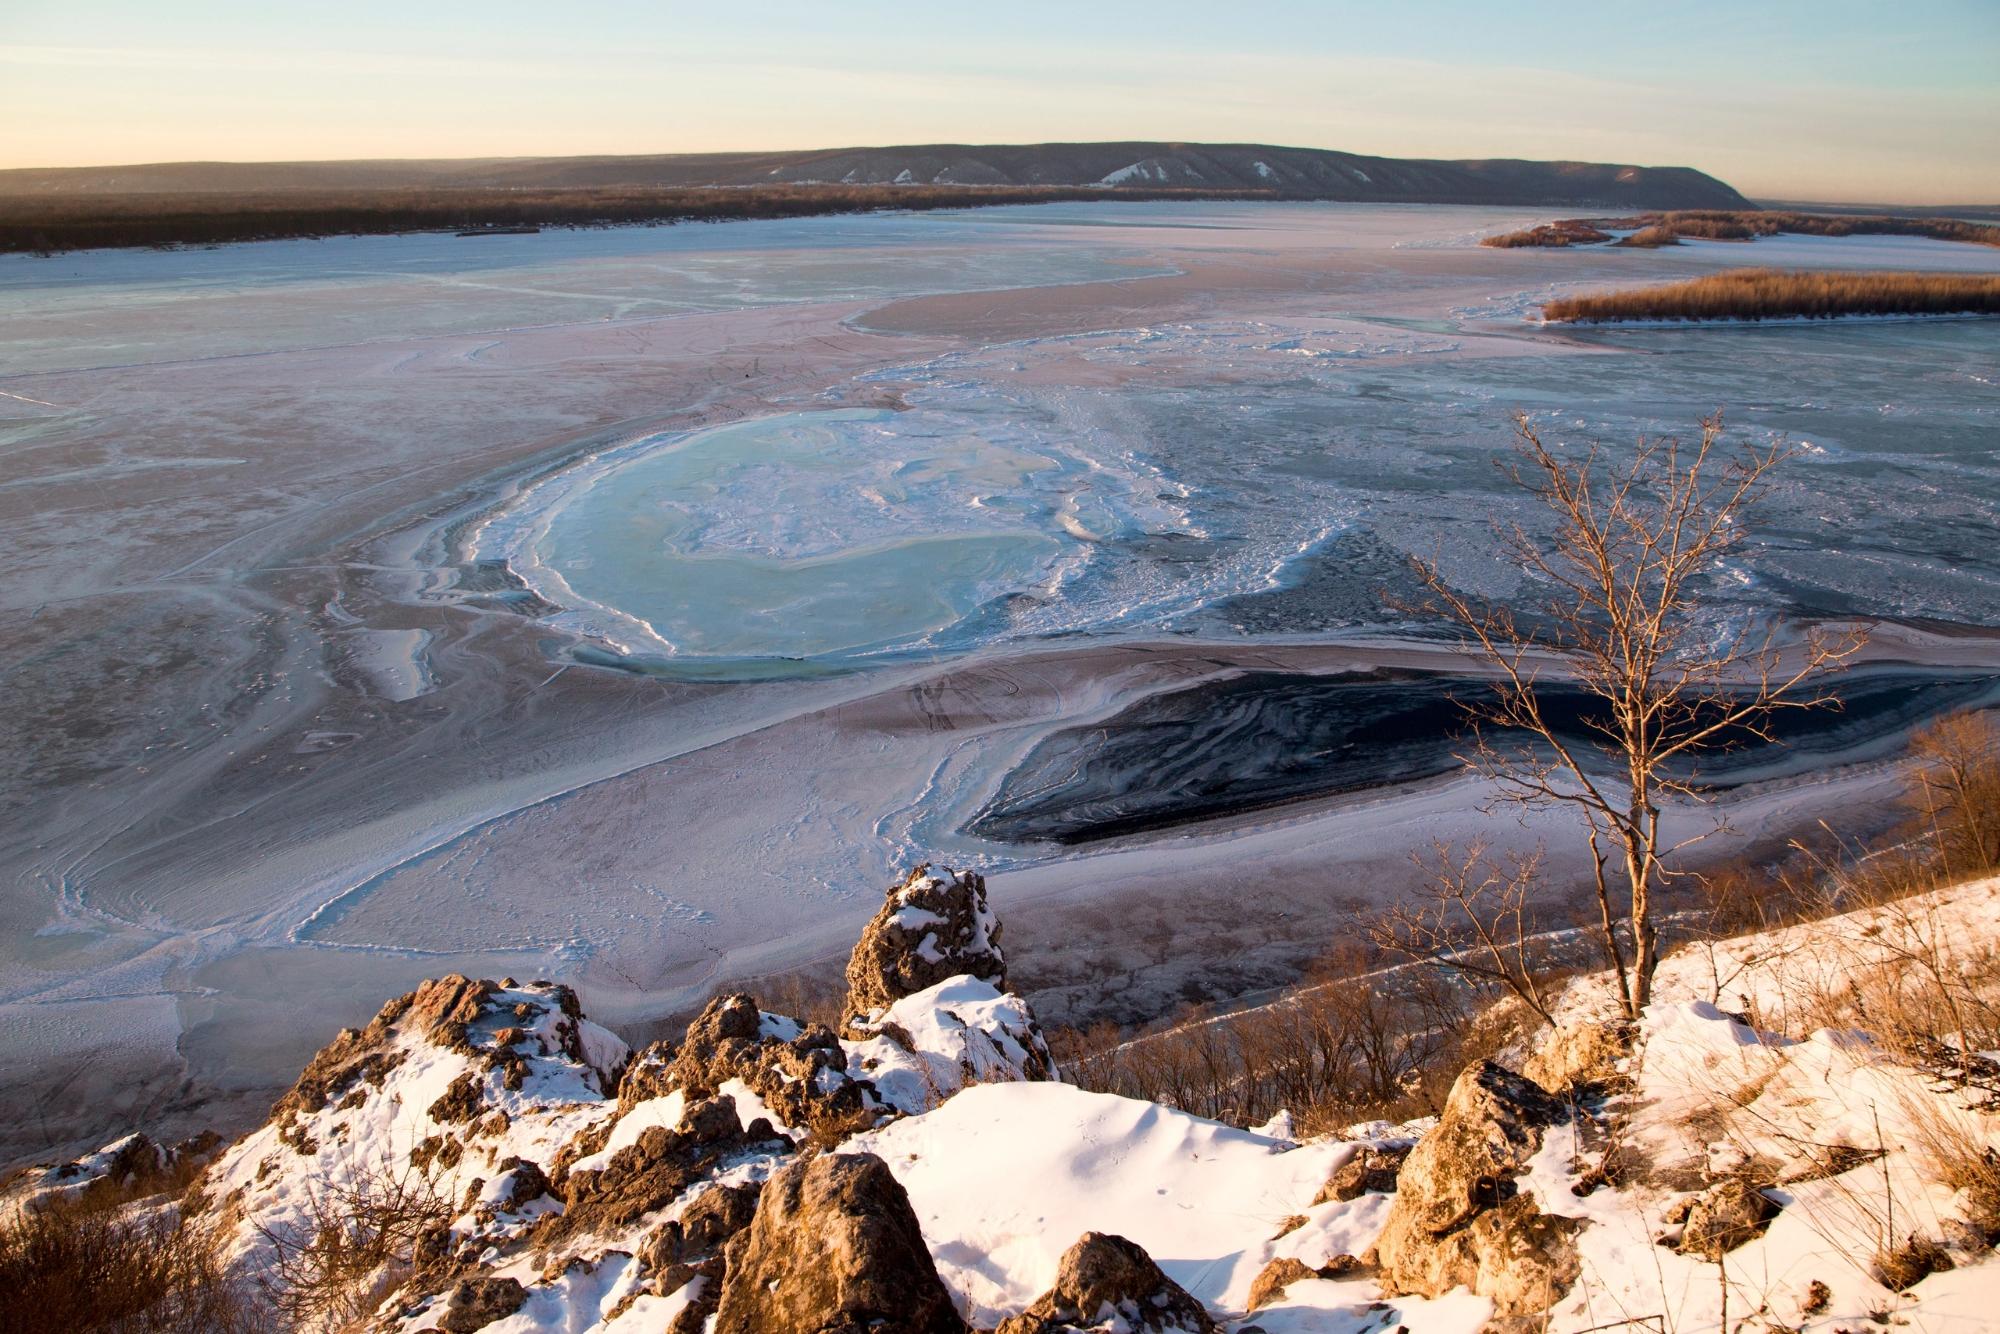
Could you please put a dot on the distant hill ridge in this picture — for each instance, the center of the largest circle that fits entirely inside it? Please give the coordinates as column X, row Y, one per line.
column 1299, row 173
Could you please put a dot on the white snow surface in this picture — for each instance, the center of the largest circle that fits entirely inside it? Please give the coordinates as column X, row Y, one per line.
column 1004, row 1178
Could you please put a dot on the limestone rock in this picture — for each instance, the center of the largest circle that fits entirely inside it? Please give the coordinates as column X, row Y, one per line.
column 1579, row 1053
column 931, row 926
column 834, row 1248
column 1725, row 1216
column 704, row 1227
column 1107, row 1283
column 1457, row 1220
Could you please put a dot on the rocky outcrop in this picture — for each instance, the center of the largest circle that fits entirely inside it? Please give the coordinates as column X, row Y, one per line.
column 649, row 1174
column 124, row 1169
column 798, row 1070
column 834, row 1248
column 1458, row 1220
column 927, row 1046
column 931, row 926
column 1107, row 1283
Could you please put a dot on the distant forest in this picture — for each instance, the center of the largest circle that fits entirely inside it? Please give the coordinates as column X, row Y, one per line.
column 50, row 224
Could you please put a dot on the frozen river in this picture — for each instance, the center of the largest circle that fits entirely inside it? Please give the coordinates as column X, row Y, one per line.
column 1032, row 538
column 1275, row 494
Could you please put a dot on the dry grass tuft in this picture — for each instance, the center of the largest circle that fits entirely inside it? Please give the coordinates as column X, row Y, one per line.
column 1768, row 294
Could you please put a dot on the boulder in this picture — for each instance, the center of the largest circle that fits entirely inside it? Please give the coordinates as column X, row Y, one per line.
column 1274, row 1278
column 704, row 1227
column 1107, row 1283
column 1457, row 1220
column 834, row 1248
column 476, row 1303
column 1726, row 1215
column 1372, row 1171
column 932, row 926
column 1579, row 1053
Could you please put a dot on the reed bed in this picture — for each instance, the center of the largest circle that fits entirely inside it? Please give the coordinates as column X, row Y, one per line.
column 1774, row 294
column 1568, row 232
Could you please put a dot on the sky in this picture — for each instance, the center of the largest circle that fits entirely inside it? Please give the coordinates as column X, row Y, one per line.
column 1830, row 100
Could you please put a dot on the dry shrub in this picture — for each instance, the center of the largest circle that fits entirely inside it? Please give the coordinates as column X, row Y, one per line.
column 1954, row 792
column 1354, row 1047
column 1764, row 294
column 358, row 1241
column 74, row 1267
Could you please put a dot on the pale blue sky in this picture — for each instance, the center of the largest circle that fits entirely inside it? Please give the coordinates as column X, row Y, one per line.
column 1829, row 100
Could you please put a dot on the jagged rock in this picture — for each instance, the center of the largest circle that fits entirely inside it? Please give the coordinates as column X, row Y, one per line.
column 1107, row 1283
column 127, row 1168
column 931, row 926
column 477, row 1302
column 1725, row 1216
column 718, row 1214
column 1579, row 1053
column 800, row 1071
column 648, row 1174
column 1457, row 1220
column 834, row 1248
column 1371, row 1171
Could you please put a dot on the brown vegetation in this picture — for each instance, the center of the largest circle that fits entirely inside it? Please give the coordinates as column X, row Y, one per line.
column 48, row 224
column 1739, row 225
column 358, row 1241
column 1362, row 1043
column 1768, row 294
column 72, row 1266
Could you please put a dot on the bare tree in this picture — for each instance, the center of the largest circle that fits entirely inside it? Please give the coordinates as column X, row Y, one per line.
column 1475, row 921
column 1616, row 615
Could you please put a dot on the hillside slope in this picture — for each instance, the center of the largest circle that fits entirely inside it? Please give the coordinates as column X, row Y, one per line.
column 481, row 1157
column 1304, row 173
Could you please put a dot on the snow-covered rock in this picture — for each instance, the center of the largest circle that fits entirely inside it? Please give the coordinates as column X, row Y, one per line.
column 925, row 1047
column 1109, row 1285
column 932, row 925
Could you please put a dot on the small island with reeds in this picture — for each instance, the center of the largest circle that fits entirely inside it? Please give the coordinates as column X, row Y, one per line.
column 1648, row 231
column 1775, row 294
